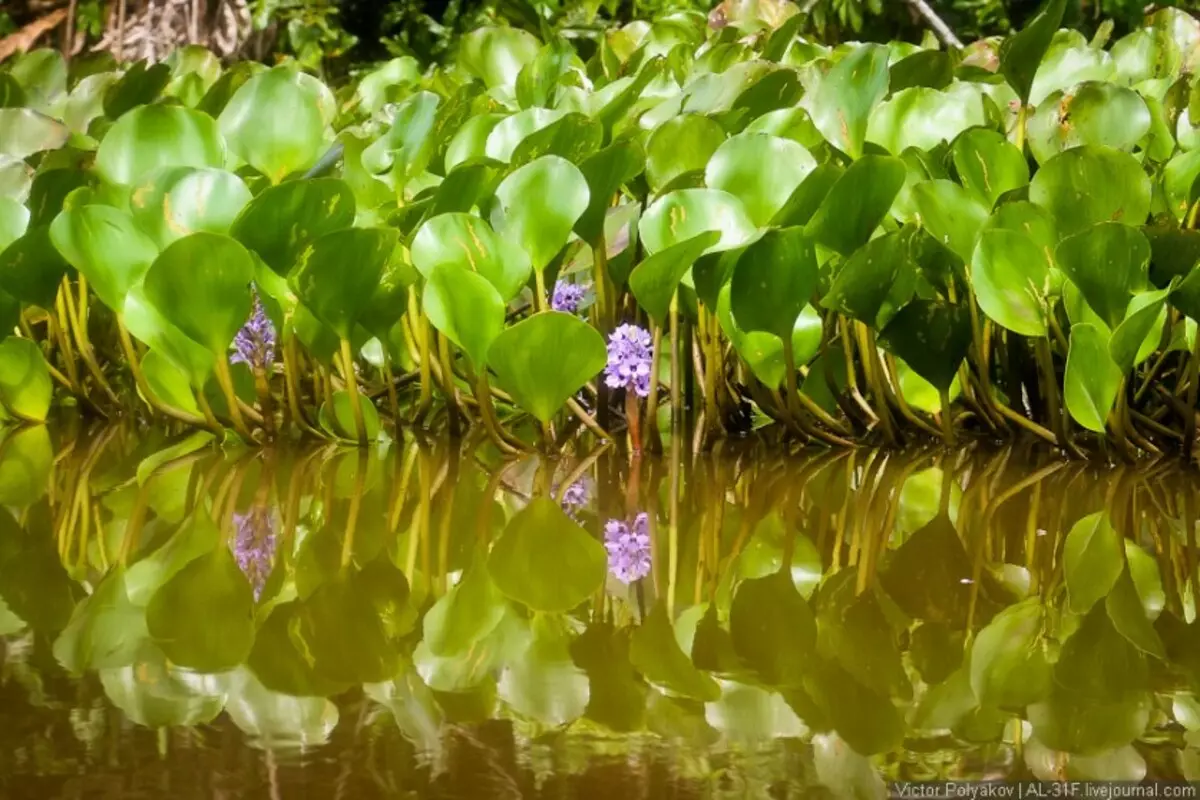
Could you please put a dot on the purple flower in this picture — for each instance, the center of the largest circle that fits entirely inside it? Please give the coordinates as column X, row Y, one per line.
column 254, row 545
column 576, row 496
column 628, row 548
column 567, row 296
column 254, row 344
column 629, row 359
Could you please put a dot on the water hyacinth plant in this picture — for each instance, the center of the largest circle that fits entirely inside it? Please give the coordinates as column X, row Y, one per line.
column 860, row 244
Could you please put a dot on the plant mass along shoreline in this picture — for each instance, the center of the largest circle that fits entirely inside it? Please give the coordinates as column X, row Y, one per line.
column 864, row 244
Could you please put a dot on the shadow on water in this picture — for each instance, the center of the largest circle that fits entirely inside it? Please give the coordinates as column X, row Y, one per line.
column 428, row 621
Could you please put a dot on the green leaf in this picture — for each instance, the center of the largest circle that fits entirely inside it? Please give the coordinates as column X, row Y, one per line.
column 573, row 137
column 773, row 629
column 988, row 164
column 1088, row 185
column 1093, row 558
column 202, row 284
column 203, row 617
column 1009, row 669
column 924, row 118
column 1093, row 113
column 148, row 324
column 465, row 308
column 339, row 420
column 606, row 172
column 176, row 201
column 850, row 624
column 543, row 683
column 107, row 247
column 545, row 560
column 543, row 385
column 539, row 204
column 932, row 338
column 952, row 215
column 498, row 54
column 25, row 388
column 1022, row 53
column 283, row 220
column 1108, row 262
column 686, row 213
column 761, row 170
column 406, row 149
column 1010, row 272
column 655, row 280
column 857, row 203
column 869, row 276
column 468, row 242
column 1143, row 318
column 273, row 124
column 842, row 101
column 654, row 651
column 538, row 79
column 14, row 219
column 24, row 132
column 31, row 270
column 338, row 273
column 105, row 630
column 151, row 137
column 681, row 145
column 773, row 281
column 1092, row 379
column 140, row 85
column 1129, row 617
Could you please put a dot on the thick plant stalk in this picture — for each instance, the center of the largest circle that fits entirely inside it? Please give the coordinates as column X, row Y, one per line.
column 539, row 295
column 1053, row 408
column 360, row 427
column 487, row 413
column 946, row 417
column 420, row 329
column 448, row 387
column 676, row 367
column 58, row 323
column 867, row 351
column 225, row 381
column 151, row 400
column 652, row 398
column 78, row 320
column 210, row 419
column 1189, row 436
column 390, row 381
column 633, row 418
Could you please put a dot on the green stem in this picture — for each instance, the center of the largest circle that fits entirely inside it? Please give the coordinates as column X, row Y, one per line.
column 78, row 319
column 676, row 367
column 448, row 388
column 360, row 427
column 483, row 394
column 947, row 418
column 420, row 330
column 870, row 360
column 225, row 380
column 390, row 381
column 539, row 296
column 1189, row 438
column 143, row 387
column 1022, row 117
column 1053, row 407
column 652, row 398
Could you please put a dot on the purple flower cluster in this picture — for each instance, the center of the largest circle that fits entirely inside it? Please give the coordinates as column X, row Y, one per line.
column 628, row 548
column 576, row 496
column 630, row 354
column 567, row 296
column 254, row 344
column 254, row 545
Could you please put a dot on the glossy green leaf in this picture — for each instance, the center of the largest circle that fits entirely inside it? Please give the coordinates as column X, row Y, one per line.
column 1010, row 272
column 406, row 149
column 273, row 124
column 465, row 614
column 146, row 323
column 14, row 219
column 140, row 85
column 760, row 170
column 857, row 203
column 177, row 201
column 24, row 132
column 545, row 560
column 1108, row 262
column 773, row 281
column 988, row 164
column 1093, row 558
column 539, row 204
column 952, row 215
column 869, row 277
column 932, row 337
column 283, row 220
column 543, row 385
column 687, row 213
column 465, row 308
column 1088, row 185
column 924, row 118
column 1022, row 53
column 1144, row 319
column 498, row 54
column 338, row 273
column 105, row 630
column 202, row 617
column 1092, row 379
column 681, row 145
column 151, row 137
column 25, row 388
column 655, row 280
column 606, row 172
column 468, row 242
column 107, row 247
column 574, row 137
column 202, row 284
column 1093, row 113
column 842, row 101
column 31, row 269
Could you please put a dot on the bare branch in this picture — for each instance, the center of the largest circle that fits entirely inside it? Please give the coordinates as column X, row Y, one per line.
column 937, row 23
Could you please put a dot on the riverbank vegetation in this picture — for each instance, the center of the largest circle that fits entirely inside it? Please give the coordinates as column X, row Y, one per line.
column 709, row 220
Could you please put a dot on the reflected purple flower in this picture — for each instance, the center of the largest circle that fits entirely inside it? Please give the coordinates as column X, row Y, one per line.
column 254, row 545
column 254, row 344
column 630, row 353
column 628, row 548
column 567, row 296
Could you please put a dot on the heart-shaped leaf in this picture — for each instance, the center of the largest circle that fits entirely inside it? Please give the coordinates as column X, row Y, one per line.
column 176, row 201
column 338, row 273
column 539, row 205
column 1009, row 272
column 466, row 241
column 655, row 280
column 107, row 247
column 842, row 102
column 25, row 388
column 151, row 137
column 857, row 203
column 760, row 170
column 773, row 281
column 283, row 220
column 273, row 124
column 1088, row 185
column 465, row 308
column 1092, row 378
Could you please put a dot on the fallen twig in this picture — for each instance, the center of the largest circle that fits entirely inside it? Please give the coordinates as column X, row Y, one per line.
column 25, row 38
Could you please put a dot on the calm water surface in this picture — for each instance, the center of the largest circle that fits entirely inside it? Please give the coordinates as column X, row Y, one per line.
column 424, row 620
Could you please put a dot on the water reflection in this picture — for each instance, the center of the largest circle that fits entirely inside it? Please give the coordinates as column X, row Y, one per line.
column 424, row 620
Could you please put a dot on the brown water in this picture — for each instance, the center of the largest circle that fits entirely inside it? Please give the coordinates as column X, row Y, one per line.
column 177, row 621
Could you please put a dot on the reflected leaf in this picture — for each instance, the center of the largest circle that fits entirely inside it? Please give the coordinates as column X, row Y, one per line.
column 106, row 630
column 654, row 651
